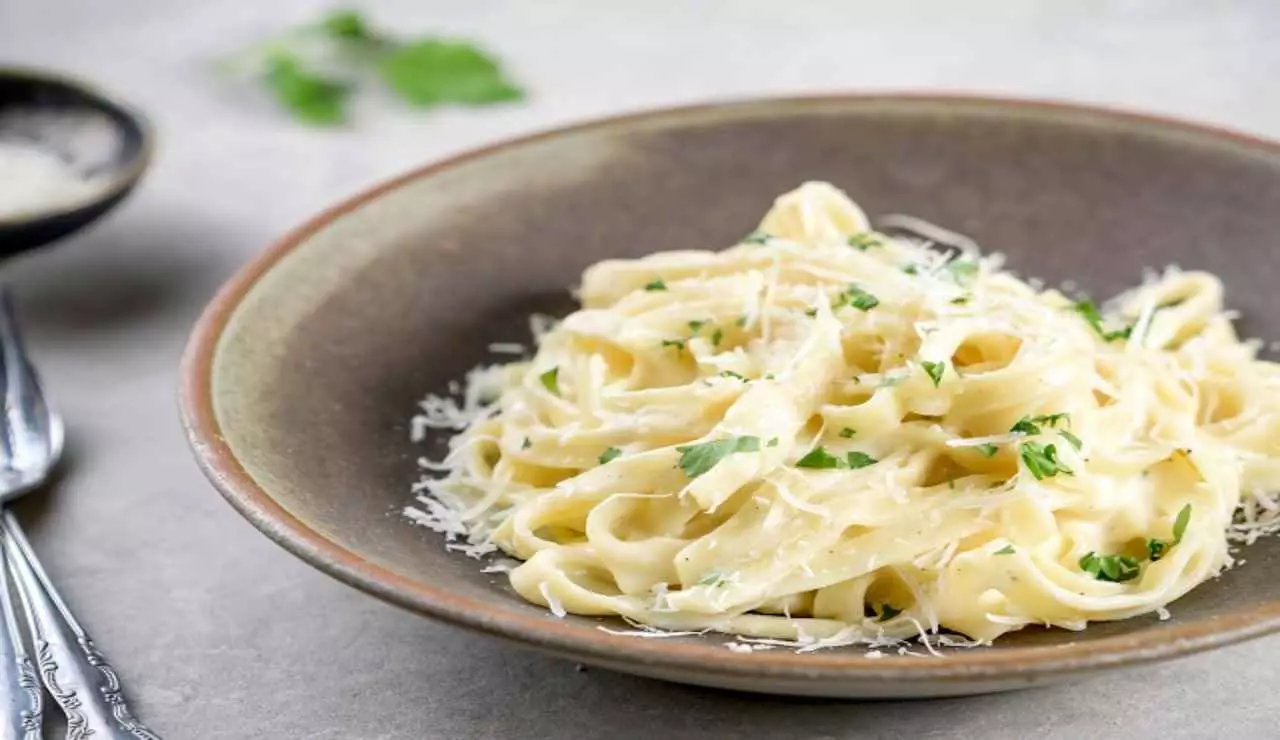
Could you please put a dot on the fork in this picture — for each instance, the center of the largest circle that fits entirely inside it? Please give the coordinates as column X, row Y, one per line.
column 75, row 674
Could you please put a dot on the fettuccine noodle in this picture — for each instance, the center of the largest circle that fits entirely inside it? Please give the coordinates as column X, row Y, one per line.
column 827, row 433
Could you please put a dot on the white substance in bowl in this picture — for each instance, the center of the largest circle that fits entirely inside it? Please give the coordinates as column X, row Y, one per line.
column 33, row 180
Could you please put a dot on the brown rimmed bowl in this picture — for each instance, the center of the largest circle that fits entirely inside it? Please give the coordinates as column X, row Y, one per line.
column 300, row 379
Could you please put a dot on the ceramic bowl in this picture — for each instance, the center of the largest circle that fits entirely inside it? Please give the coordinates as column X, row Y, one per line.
column 301, row 378
column 100, row 137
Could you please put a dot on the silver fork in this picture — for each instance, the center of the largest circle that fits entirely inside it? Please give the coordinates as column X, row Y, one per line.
column 76, row 675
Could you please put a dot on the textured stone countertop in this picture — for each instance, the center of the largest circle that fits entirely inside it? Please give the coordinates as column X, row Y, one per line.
column 221, row 634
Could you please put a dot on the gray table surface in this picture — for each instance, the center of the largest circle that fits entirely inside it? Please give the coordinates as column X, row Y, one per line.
column 219, row 633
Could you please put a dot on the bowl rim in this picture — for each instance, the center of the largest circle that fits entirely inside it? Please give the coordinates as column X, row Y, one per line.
column 232, row 480
column 123, row 179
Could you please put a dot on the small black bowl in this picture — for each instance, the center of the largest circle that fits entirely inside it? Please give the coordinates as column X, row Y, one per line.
column 55, row 111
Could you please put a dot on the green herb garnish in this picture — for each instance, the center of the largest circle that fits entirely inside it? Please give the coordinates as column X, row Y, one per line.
column 818, row 458
column 1042, row 460
column 962, row 271
column 732, row 374
column 911, row 269
column 987, row 450
column 811, row 312
column 935, row 371
column 311, row 97
column 1006, row 550
column 695, row 326
column 847, row 433
column 1180, row 523
column 551, row 380
column 526, row 444
column 887, row 612
column 698, row 459
column 757, row 237
column 1112, row 568
column 717, row 337
column 1072, row 439
column 859, row 298
column 864, row 240
column 773, row 442
column 1030, row 425
column 658, row 284
column 857, row 459
column 433, row 72
column 613, row 453
column 1089, row 312
column 677, row 343
column 713, row 579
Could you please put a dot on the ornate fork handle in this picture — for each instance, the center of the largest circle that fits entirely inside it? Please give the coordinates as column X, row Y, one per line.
column 19, row 688
column 77, row 676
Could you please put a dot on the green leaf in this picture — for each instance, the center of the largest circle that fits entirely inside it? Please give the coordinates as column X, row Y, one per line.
column 695, row 326
column 911, row 269
column 1025, row 426
column 1072, row 439
column 717, row 337
column 847, row 433
column 698, row 459
column 887, row 612
column 1157, row 549
column 859, row 298
column 1089, row 312
column 857, row 459
column 551, row 380
column 527, row 444
column 1112, row 568
column 609, row 455
column 773, row 442
column 961, row 300
column 1006, row 550
column 346, row 24
column 655, row 285
column 864, row 240
column 811, row 312
column 1180, row 523
column 433, row 72
column 1042, row 460
column 818, row 458
column 757, row 237
column 962, row 271
column 309, row 97
column 714, row 579
column 988, row 450
column 732, row 374
column 677, row 343
column 935, row 371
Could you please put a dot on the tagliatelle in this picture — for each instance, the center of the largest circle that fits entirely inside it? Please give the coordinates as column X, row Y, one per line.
column 828, row 433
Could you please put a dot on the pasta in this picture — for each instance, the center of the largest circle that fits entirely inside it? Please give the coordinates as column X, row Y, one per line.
column 828, row 434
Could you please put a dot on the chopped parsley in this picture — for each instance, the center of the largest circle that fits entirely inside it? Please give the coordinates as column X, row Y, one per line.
column 1111, row 568
column 864, row 240
column 911, row 269
column 677, row 343
column 732, row 374
column 819, row 458
column 1006, row 550
column 1030, row 425
column 1157, row 549
column 859, row 298
column 890, row 381
column 698, row 459
column 772, row 442
column 962, row 271
column 526, row 444
column 609, row 455
column 859, row 459
column 1042, row 460
column 1089, row 312
column 551, row 380
column 961, row 300
column 741, row 322
column 696, row 326
column 1072, row 439
column 987, row 450
column 811, row 312
column 770, row 376
column 757, row 237
column 887, row 612
column 658, row 284
column 717, row 337
column 935, row 371
column 847, row 433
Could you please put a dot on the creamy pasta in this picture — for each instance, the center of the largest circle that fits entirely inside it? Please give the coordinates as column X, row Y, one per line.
column 825, row 433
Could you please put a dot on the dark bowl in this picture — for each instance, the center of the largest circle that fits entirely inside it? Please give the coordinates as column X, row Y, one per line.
column 301, row 377
column 58, row 100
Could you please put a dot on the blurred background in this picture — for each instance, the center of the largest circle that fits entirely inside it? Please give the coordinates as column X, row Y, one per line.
column 108, row 311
